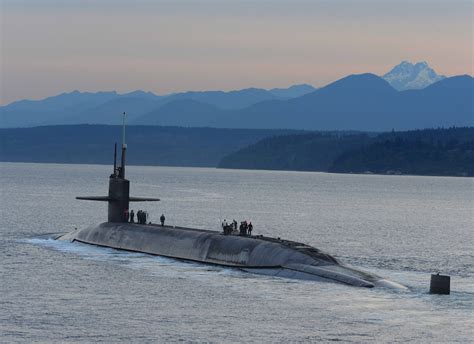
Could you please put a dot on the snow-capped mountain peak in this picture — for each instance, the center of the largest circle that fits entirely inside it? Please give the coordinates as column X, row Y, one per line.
column 406, row 75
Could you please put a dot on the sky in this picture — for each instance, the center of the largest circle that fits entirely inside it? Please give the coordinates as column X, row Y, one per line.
column 54, row 46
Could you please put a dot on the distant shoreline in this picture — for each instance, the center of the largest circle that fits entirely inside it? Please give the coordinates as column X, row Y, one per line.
column 427, row 152
column 235, row 169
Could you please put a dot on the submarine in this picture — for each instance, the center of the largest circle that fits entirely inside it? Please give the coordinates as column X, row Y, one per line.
column 256, row 254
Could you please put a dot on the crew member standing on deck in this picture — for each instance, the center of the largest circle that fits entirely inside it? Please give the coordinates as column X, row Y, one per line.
column 162, row 219
column 250, row 228
column 132, row 216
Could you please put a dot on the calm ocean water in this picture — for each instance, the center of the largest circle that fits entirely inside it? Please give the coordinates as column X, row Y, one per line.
column 401, row 227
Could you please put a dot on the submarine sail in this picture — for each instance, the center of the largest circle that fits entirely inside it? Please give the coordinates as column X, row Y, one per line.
column 119, row 188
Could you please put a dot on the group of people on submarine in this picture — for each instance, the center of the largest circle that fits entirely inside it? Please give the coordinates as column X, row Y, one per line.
column 142, row 217
column 245, row 228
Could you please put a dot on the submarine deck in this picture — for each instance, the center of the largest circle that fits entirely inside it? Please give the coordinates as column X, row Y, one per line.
column 301, row 247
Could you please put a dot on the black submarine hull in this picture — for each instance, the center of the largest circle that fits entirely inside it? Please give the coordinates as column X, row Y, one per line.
column 256, row 254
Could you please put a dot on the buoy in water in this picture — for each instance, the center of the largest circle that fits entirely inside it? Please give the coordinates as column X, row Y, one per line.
column 440, row 284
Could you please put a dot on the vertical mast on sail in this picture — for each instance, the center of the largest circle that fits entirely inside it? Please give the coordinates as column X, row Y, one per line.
column 115, row 160
column 123, row 130
column 119, row 188
column 124, row 148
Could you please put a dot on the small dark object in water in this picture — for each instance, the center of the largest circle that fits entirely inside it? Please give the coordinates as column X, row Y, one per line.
column 440, row 284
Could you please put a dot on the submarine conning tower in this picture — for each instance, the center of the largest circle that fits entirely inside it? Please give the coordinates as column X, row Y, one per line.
column 119, row 188
column 119, row 191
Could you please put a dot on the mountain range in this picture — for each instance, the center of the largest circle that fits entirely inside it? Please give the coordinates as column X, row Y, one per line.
column 356, row 102
column 364, row 102
column 105, row 107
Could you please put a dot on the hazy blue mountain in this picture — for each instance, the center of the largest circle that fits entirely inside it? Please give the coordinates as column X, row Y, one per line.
column 139, row 94
column 292, row 91
column 406, row 76
column 181, row 112
column 227, row 100
column 111, row 112
column 446, row 103
column 52, row 110
column 357, row 102
column 354, row 102
column 364, row 102
column 63, row 100
column 105, row 107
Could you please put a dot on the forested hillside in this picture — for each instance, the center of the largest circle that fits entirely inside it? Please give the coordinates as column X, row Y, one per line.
column 307, row 152
column 447, row 152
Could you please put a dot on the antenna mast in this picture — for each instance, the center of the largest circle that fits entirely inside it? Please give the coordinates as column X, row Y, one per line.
column 124, row 148
column 123, row 131
column 115, row 159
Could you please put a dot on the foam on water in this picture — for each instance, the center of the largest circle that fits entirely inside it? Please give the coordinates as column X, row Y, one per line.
column 152, row 264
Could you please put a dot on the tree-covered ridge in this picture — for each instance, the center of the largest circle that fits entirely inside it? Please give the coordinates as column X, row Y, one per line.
column 444, row 152
column 303, row 152
column 147, row 145
column 447, row 152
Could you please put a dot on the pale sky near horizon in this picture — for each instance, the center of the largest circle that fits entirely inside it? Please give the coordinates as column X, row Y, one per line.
column 54, row 46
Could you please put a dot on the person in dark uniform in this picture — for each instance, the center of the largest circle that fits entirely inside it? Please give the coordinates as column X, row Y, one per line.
column 241, row 228
column 162, row 219
column 250, row 228
column 132, row 216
